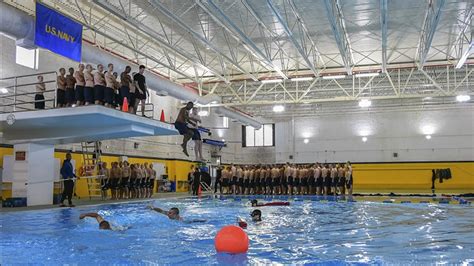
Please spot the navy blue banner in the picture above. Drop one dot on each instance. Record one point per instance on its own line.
(58, 33)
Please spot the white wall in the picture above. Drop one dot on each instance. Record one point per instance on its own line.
(339, 137)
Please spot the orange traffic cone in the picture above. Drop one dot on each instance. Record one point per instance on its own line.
(162, 116)
(125, 105)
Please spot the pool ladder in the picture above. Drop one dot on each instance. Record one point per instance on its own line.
(91, 158)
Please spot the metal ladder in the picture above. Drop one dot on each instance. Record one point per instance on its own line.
(206, 187)
(91, 158)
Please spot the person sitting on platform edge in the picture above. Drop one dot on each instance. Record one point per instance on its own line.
(67, 174)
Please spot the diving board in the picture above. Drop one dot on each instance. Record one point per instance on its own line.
(78, 124)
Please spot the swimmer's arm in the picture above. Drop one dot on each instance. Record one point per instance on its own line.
(157, 210)
(92, 215)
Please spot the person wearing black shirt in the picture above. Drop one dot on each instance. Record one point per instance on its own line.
(218, 180)
(196, 181)
(141, 88)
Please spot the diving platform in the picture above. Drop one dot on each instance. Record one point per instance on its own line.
(78, 124)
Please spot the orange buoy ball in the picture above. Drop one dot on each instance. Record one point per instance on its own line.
(231, 239)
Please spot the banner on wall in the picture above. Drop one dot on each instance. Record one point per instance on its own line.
(58, 33)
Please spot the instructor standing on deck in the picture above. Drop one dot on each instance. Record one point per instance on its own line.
(67, 174)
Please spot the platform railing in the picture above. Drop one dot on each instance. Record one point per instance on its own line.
(18, 93)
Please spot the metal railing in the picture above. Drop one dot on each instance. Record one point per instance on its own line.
(18, 92)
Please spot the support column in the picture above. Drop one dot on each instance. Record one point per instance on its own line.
(33, 173)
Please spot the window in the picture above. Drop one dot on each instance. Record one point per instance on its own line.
(263, 137)
(27, 57)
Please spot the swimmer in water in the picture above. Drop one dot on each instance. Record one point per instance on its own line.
(276, 203)
(256, 217)
(103, 224)
(173, 214)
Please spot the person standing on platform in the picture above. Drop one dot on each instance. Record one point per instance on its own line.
(218, 181)
(61, 91)
(109, 91)
(89, 87)
(67, 173)
(116, 91)
(181, 125)
(80, 83)
(132, 102)
(39, 97)
(99, 85)
(70, 83)
(125, 81)
(151, 185)
(196, 181)
(141, 88)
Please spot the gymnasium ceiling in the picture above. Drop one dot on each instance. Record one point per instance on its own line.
(228, 47)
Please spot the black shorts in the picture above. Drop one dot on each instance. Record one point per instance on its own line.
(70, 96)
(328, 182)
(99, 92)
(124, 183)
(296, 182)
(152, 184)
(290, 181)
(263, 182)
(234, 181)
(39, 101)
(109, 95)
(241, 182)
(349, 183)
(311, 181)
(113, 183)
(304, 182)
(61, 96)
(225, 182)
(131, 183)
(320, 181)
(89, 94)
(283, 181)
(79, 93)
(335, 182)
(342, 181)
(196, 134)
(247, 183)
(132, 99)
(104, 185)
(140, 96)
(256, 181)
(276, 181)
(124, 93)
(269, 182)
(181, 127)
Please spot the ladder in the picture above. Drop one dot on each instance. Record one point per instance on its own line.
(206, 187)
(91, 158)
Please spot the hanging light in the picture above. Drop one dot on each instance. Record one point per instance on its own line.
(364, 103)
(203, 113)
(306, 141)
(463, 98)
(364, 139)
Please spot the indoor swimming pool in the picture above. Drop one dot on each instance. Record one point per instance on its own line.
(305, 232)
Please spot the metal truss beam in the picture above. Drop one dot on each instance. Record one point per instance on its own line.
(162, 40)
(304, 54)
(432, 17)
(336, 20)
(211, 9)
(163, 9)
(383, 23)
(463, 46)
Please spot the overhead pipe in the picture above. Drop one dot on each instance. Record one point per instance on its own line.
(244, 119)
(20, 26)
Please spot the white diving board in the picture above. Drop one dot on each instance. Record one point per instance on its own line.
(78, 124)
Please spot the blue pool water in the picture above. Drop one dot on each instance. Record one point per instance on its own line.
(304, 233)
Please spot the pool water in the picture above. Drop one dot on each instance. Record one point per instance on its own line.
(304, 233)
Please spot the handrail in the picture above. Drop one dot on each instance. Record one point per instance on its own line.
(29, 84)
(27, 93)
(30, 75)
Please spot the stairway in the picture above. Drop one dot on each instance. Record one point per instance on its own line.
(91, 158)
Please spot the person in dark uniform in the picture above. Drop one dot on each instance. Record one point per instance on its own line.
(141, 88)
(67, 173)
(196, 181)
(218, 180)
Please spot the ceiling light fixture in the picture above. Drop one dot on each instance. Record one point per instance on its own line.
(463, 98)
(364, 103)
(306, 141)
(334, 77)
(302, 79)
(428, 136)
(266, 81)
(364, 75)
(278, 108)
(364, 139)
(3, 90)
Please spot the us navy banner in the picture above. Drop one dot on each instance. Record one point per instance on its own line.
(58, 33)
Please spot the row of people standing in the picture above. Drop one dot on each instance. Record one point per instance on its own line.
(127, 181)
(85, 87)
(317, 179)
